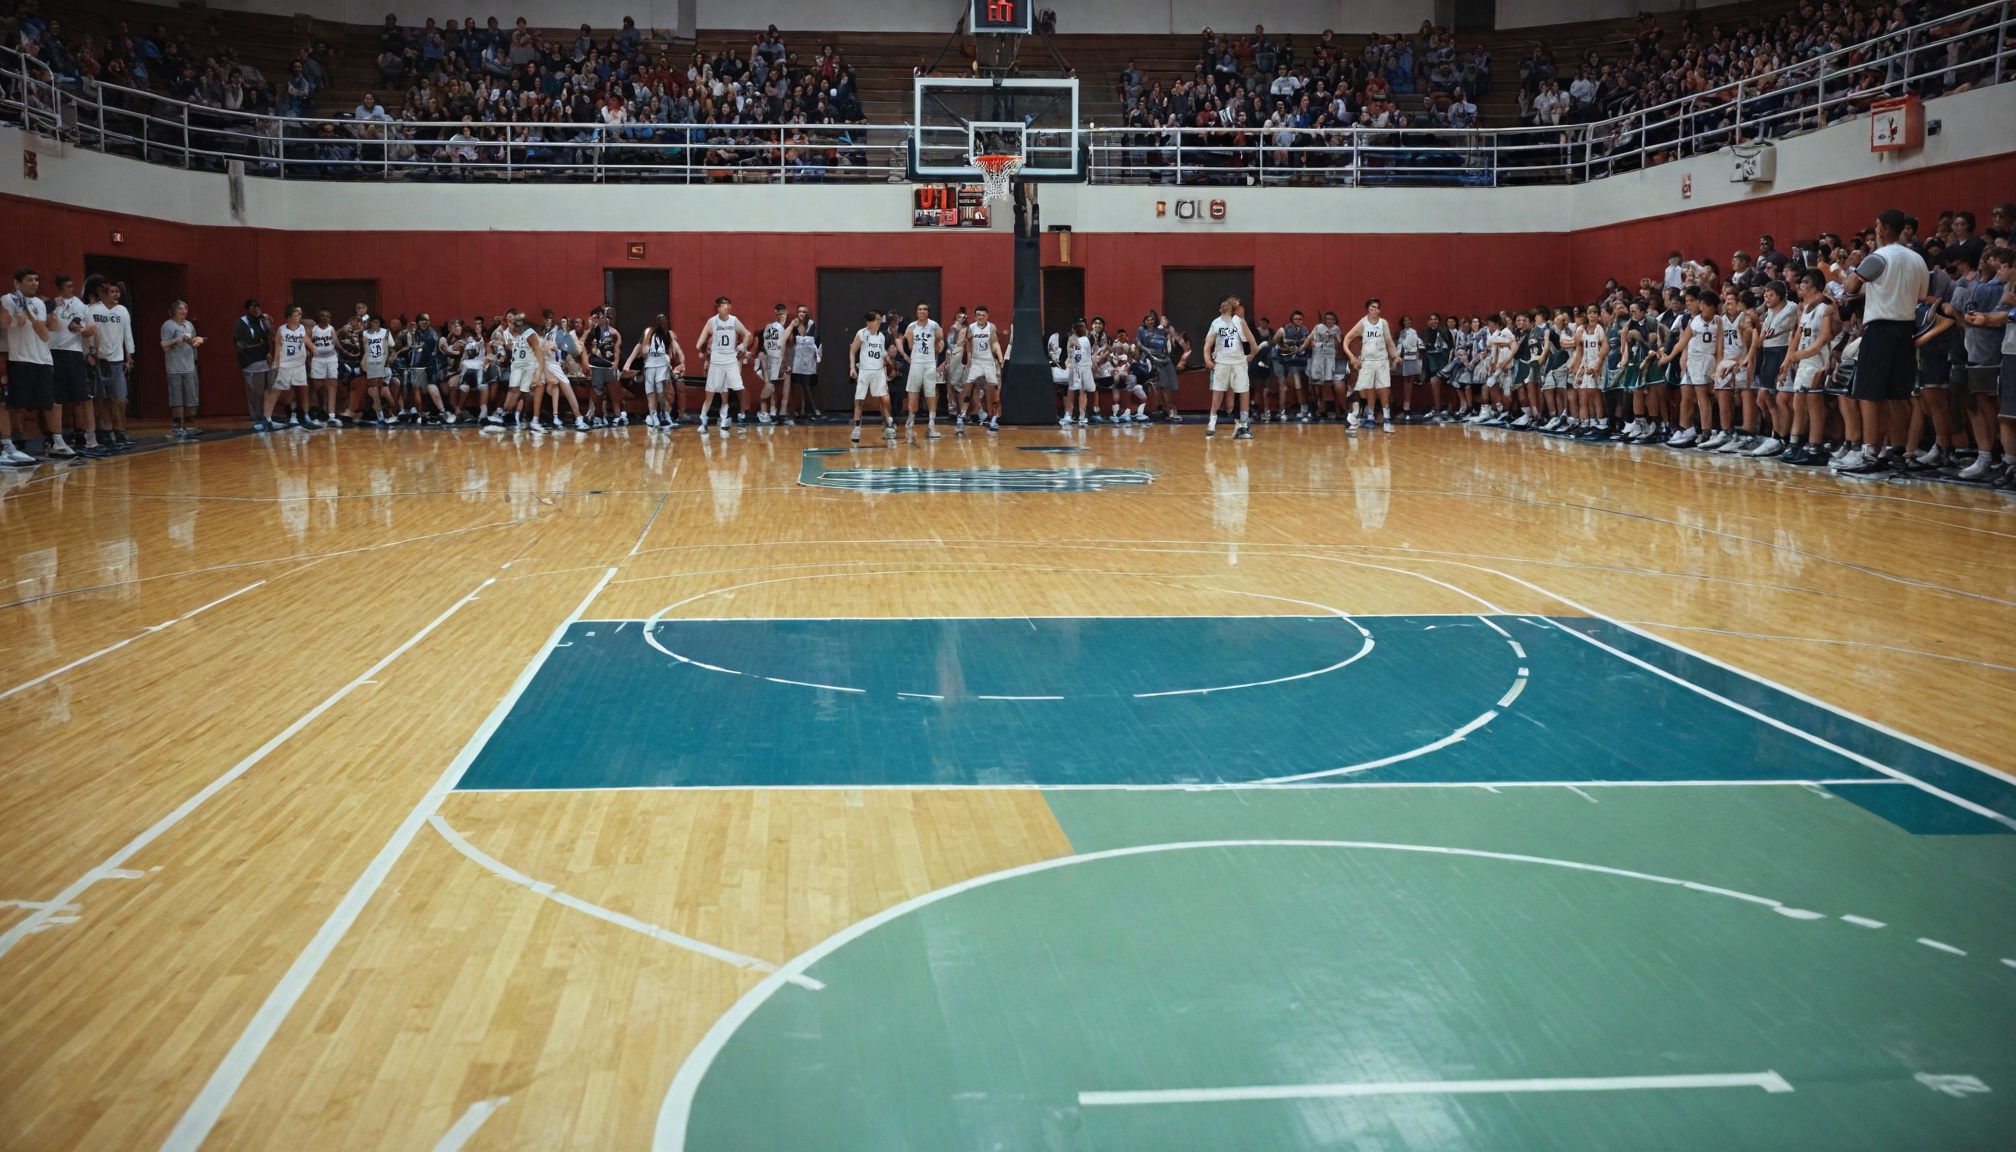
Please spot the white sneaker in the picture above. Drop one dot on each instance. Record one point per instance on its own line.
(650, 419)
(1852, 458)
(1839, 454)
(762, 417)
(1769, 446)
(1734, 444)
(1713, 442)
(17, 457)
(1682, 438)
(1932, 457)
(1386, 425)
(1066, 421)
(1524, 421)
(536, 428)
(856, 437)
(1980, 469)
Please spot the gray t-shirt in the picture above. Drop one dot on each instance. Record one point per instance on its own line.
(181, 358)
(1984, 345)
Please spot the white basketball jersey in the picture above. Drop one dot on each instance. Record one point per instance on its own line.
(324, 342)
(376, 346)
(983, 345)
(873, 347)
(656, 353)
(773, 340)
(1227, 345)
(293, 346)
(721, 340)
(1323, 338)
(924, 342)
(521, 347)
(1810, 320)
(1372, 341)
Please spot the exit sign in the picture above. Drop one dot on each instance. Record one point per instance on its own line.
(1001, 16)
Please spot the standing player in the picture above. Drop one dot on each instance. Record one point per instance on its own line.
(1160, 342)
(983, 368)
(955, 371)
(1810, 363)
(725, 342)
(1437, 345)
(71, 335)
(660, 349)
(115, 356)
(1591, 359)
(179, 343)
(1081, 387)
(324, 371)
(290, 367)
(770, 368)
(374, 358)
(1408, 342)
(923, 340)
(868, 365)
(1324, 342)
(1374, 364)
(1225, 345)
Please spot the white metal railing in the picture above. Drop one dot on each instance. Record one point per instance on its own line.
(1972, 46)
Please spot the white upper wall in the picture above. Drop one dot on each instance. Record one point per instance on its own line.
(1974, 124)
(1164, 16)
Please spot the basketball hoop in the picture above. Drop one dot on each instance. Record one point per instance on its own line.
(997, 170)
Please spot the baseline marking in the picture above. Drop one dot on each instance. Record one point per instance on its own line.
(1768, 1081)
(677, 1110)
(114, 864)
(111, 648)
(204, 1111)
(462, 845)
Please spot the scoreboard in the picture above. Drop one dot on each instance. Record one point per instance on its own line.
(948, 206)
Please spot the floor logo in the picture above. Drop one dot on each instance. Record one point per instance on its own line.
(814, 473)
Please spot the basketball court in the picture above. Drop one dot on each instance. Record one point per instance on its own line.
(1302, 792)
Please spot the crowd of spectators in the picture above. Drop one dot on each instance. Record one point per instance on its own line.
(1800, 68)
(1261, 83)
(465, 99)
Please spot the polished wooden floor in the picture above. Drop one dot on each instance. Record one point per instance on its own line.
(179, 616)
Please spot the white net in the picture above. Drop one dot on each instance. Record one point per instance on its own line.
(997, 173)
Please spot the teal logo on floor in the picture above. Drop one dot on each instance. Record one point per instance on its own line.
(815, 472)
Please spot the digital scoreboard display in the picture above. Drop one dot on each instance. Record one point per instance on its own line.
(948, 206)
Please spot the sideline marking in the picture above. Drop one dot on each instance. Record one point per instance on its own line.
(1863, 922)
(111, 648)
(208, 1106)
(113, 867)
(462, 845)
(677, 1109)
(1931, 943)
(458, 1135)
(1262, 785)
(1768, 1081)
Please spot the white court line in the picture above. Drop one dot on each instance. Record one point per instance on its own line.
(1768, 1081)
(459, 1134)
(1864, 922)
(204, 1111)
(111, 648)
(115, 863)
(665, 935)
(1801, 733)
(1455, 737)
(1930, 943)
(670, 1135)
(1923, 745)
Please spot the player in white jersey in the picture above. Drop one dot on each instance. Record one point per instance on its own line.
(955, 370)
(1733, 369)
(562, 352)
(868, 366)
(1324, 341)
(1591, 344)
(323, 372)
(983, 367)
(660, 350)
(1700, 346)
(1080, 386)
(770, 368)
(1809, 363)
(290, 368)
(1226, 344)
(1121, 356)
(725, 343)
(923, 341)
(1374, 363)
(375, 357)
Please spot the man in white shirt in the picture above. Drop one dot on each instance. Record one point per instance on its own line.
(71, 336)
(1225, 351)
(369, 109)
(1891, 281)
(115, 352)
(31, 382)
